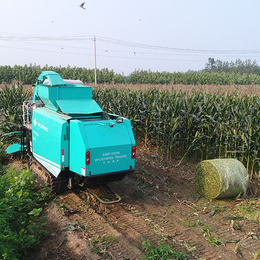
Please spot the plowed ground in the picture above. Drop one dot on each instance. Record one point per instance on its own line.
(159, 203)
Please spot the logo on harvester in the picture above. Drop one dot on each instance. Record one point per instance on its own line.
(40, 125)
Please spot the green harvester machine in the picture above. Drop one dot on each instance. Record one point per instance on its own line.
(69, 136)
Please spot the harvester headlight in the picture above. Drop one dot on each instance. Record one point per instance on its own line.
(119, 120)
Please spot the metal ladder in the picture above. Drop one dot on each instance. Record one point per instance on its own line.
(27, 119)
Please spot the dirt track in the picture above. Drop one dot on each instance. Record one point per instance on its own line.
(159, 202)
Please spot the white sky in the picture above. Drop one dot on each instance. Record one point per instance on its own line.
(162, 35)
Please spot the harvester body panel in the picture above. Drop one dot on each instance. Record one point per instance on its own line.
(108, 142)
(50, 140)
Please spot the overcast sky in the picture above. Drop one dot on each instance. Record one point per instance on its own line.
(165, 35)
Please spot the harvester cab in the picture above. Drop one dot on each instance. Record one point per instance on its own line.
(67, 133)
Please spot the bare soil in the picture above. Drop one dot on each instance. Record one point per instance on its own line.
(159, 203)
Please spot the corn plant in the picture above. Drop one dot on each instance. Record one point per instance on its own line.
(11, 100)
(203, 125)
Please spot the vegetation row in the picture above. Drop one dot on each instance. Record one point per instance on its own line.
(20, 206)
(201, 125)
(212, 74)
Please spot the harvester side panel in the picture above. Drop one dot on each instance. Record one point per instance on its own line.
(78, 146)
(50, 140)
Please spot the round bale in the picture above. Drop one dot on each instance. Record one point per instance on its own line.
(221, 178)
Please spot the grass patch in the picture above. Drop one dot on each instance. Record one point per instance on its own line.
(20, 206)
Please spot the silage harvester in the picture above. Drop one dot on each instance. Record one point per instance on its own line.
(67, 133)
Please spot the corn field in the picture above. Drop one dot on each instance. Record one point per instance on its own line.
(198, 125)
(243, 75)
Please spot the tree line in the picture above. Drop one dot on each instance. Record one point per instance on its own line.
(29, 74)
(239, 66)
(216, 72)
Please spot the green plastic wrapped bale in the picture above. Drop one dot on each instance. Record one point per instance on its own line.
(221, 178)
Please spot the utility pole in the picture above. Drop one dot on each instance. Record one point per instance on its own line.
(95, 54)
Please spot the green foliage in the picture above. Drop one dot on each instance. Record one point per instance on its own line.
(202, 125)
(213, 241)
(2, 155)
(11, 100)
(216, 72)
(19, 209)
(29, 74)
(239, 66)
(193, 78)
(162, 251)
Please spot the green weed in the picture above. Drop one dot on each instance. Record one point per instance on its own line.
(20, 207)
(214, 241)
(162, 251)
(188, 224)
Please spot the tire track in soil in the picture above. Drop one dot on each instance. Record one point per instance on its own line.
(193, 239)
(247, 242)
(98, 228)
(222, 231)
(230, 237)
(181, 238)
(102, 220)
(136, 227)
(129, 226)
(189, 238)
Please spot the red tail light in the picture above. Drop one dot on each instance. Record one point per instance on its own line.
(133, 152)
(87, 157)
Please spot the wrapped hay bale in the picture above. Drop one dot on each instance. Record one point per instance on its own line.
(221, 178)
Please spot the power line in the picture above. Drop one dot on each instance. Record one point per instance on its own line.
(147, 46)
(27, 49)
(128, 43)
(104, 56)
(136, 55)
(100, 49)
